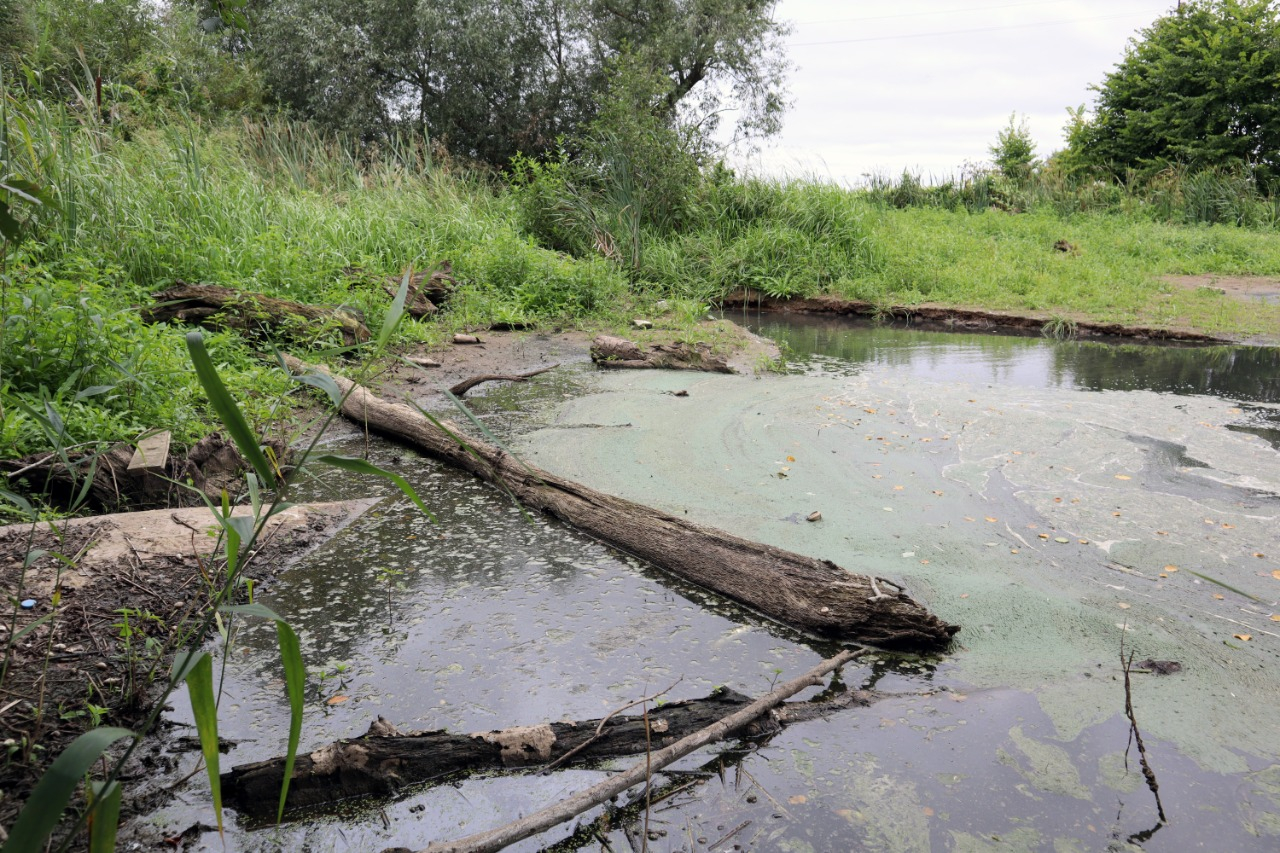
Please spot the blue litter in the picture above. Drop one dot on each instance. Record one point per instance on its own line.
(27, 603)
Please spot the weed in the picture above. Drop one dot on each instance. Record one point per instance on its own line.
(1060, 328)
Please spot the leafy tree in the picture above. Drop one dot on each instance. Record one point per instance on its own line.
(725, 53)
(1200, 86)
(1015, 151)
(495, 78)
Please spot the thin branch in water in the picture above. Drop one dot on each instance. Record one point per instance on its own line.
(1135, 735)
(600, 727)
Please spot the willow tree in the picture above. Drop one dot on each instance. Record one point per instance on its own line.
(493, 78)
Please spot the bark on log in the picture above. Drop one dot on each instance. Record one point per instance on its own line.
(467, 384)
(427, 290)
(211, 465)
(567, 809)
(214, 306)
(609, 351)
(816, 596)
(384, 759)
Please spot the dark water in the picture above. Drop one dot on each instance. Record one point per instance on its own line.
(491, 618)
(1246, 374)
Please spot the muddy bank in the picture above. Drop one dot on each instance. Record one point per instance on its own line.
(118, 592)
(512, 352)
(944, 318)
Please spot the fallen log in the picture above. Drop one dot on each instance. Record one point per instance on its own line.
(467, 384)
(609, 351)
(222, 307)
(815, 596)
(569, 808)
(384, 759)
(102, 480)
(427, 290)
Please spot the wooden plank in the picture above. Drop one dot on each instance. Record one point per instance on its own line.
(151, 455)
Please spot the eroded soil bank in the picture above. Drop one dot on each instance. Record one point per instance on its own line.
(1257, 290)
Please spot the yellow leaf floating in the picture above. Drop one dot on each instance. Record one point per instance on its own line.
(1170, 568)
(791, 459)
(992, 520)
(1219, 596)
(1276, 574)
(1244, 638)
(797, 799)
(1123, 606)
(1275, 617)
(1123, 477)
(338, 700)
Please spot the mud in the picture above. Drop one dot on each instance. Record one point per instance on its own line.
(124, 588)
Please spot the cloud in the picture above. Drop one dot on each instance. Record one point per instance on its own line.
(926, 86)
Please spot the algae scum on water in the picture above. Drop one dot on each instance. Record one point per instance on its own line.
(1054, 515)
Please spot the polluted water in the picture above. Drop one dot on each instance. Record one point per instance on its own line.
(1065, 502)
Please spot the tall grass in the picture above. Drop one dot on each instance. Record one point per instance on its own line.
(271, 206)
(1176, 194)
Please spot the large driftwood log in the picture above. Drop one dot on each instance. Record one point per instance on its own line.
(384, 759)
(223, 307)
(608, 351)
(816, 596)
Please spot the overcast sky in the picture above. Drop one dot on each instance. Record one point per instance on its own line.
(925, 85)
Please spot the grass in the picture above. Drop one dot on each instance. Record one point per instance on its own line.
(275, 207)
(998, 261)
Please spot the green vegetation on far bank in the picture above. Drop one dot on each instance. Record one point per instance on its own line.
(281, 209)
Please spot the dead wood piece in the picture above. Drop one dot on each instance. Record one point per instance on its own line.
(427, 289)
(571, 807)
(223, 307)
(815, 596)
(433, 287)
(384, 759)
(610, 351)
(467, 384)
(211, 465)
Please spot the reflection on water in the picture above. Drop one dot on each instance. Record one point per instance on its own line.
(841, 345)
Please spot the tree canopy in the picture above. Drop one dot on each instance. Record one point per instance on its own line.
(1199, 86)
(494, 78)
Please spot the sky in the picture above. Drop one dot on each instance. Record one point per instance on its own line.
(925, 85)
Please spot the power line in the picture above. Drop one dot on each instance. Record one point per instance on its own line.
(962, 32)
(933, 14)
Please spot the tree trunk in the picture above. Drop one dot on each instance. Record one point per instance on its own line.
(815, 596)
(222, 307)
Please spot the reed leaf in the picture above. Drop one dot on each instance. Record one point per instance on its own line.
(53, 792)
(295, 677)
(196, 668)
(227, 410)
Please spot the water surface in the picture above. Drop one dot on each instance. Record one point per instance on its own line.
(1056, 499)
